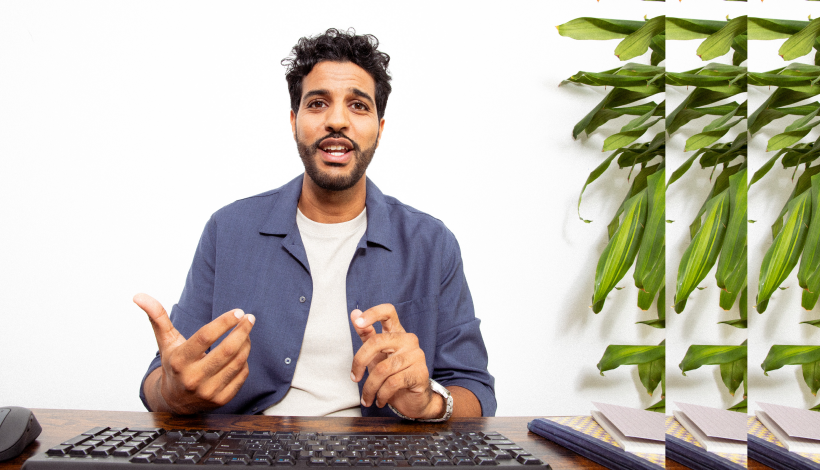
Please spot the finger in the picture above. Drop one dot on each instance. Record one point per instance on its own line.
(391, 374)
(229, 348)
(214, 385)
(167, 336)
(385, 343)
(232, 388)
(384, 313)
(364, 333)
(205, 337)
(415, 379)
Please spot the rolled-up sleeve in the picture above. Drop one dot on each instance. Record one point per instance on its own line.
(461, 357)
(196, 302)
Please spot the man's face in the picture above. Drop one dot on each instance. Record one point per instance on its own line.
(337, 128)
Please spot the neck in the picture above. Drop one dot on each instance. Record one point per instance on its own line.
(332, 207)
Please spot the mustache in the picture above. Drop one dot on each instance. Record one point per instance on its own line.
(336, 135)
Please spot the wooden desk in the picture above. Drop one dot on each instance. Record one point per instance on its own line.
(59, 425)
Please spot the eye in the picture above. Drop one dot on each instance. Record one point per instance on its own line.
(359, 106)
(316, 104)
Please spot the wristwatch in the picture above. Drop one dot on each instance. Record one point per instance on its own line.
(448, 404)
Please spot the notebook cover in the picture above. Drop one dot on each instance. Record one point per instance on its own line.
(682, 447)
(766, 449)
(582, 435)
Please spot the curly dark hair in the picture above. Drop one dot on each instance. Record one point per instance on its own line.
(338, 46)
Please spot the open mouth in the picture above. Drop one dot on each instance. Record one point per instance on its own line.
(336, 151)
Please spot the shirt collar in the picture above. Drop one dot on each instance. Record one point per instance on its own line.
(282, 218)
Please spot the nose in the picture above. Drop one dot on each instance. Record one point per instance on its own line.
(337, 119)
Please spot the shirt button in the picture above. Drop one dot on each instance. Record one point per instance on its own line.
(287, 360)
(302, 299)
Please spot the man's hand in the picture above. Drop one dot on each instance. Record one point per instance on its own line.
(191, 381)
(398, 371)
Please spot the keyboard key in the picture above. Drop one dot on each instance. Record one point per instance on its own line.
(340, 462)
(317, 462)
(215, 461)
(238, 460)
(95, 431)
(76, 440)
(463, 461)
(387, 462)
(214, 434)
(103, 451)
(439, 461)
(59, 450)
(529, 460)
(80, 451)
(142, 458)
(284, 461)
(485, 460)
(418, 461)
(125, 451)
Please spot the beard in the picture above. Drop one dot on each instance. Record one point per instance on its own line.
(360, 161)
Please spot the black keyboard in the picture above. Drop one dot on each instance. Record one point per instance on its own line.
(103, 448)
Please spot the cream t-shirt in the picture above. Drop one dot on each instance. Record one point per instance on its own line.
(321, 383)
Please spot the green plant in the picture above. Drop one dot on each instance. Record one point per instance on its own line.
(732, 362)
(808, 357)
(636, 231)
(651, 366)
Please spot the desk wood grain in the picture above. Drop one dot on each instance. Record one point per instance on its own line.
(60, 425)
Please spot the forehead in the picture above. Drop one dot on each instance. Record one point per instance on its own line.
(338, 77)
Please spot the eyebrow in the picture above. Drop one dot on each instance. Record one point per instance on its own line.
(323, 92)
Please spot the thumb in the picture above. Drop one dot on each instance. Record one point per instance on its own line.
(168, 338)
(364, 333)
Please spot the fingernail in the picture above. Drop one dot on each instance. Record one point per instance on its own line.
(239, 313)
(360, 322)
(252, 319)
(353, 377)
(363, 403)
(356, 313)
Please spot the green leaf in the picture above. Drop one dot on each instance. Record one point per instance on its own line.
(767, 29)
(810, 261)
(637, 43)
(732, 374)
(735, 282)
(740, 407)
(735, 323)
(771, 110)
(734, 242)
(659, 407)
(620, 252)
(739, 44)
(809, 300)
(624, 138)
(598, 28)
(812, 323)
(592, 177)
(789, 138)
(782, 256)
(654, 236)
(688, 109)
(682, 170)
(782, 355)
(765, 168)
(685, 29)
(660, 324)
(811, 374)
(700, 355)
(800, 43)
(650, 374)
(620, 355)
(702, 253)
(719, 43)
(615, 98)
(652, 283)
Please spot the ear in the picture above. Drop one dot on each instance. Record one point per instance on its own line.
(293, 123)
(381, 131)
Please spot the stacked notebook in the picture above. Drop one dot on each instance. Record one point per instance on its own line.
(616, 437)
(785, 438)
(702, 437)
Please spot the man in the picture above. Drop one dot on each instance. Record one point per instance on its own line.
(299, 258)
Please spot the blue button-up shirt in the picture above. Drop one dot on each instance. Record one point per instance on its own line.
(251, 257)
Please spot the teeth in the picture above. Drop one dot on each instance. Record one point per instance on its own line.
(332, 148)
